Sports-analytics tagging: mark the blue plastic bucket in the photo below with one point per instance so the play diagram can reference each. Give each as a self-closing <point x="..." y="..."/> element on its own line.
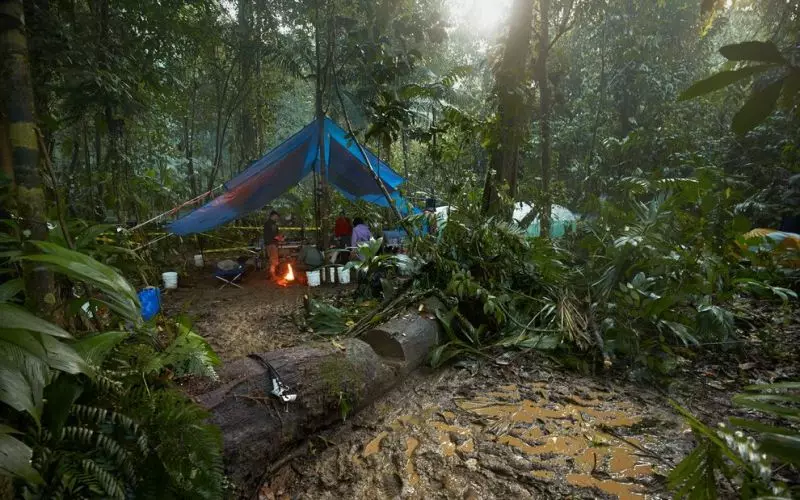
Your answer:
<point x="150" y="298"/>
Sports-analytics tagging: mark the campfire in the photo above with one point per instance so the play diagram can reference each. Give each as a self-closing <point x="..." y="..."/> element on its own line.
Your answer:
<point x="288" y="277"/>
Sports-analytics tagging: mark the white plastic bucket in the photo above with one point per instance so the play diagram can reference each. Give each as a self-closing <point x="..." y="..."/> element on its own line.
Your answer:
<point x="344" y="275"/>
<point x="198" y="260"/>
<point x="170" y="280"/>
<point x="331" y="275"/>
<point x="313" y="278"/>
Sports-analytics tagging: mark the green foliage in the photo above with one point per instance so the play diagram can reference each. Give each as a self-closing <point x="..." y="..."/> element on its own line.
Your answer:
<point x="764" y="99"/>
<point x="86" y="417"/>
<point x="185" y="352"/>
<point x="118" y="294"/>
<point x="729" y="452"/>
<point x="326" y="319"/>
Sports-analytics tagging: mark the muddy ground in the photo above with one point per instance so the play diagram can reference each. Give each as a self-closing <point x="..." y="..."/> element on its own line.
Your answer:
<point x="488" y="431"/>
<point x="258" y="317"/>
<point x="519" y="428"/>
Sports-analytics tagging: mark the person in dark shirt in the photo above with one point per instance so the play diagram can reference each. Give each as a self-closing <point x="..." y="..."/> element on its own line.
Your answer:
<point x="272" y="237"/>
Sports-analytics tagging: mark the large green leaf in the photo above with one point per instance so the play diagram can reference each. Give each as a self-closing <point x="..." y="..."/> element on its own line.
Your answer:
<point x="62" y="357"/>
<point x="783" y="447"/>
<point x="23" y="339"/>
<point x="17" y="318"/>
<point x="757" y="108"/>
<point x="95" y="348"/>
<point x="753" y="51"/>
<point x="15" y="457"/>
<point x="120" y="295"/>
<point x="16" y="392"/>
<point x="60" y="397"/>
<point x="25" y="378"/>
<point x="720" y="80"/>
<point x="10" y="289"/>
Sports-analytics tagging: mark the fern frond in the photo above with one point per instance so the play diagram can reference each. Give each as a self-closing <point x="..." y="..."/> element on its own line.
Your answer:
<point x="100" y="416"/>
<point x="111" y="486"/>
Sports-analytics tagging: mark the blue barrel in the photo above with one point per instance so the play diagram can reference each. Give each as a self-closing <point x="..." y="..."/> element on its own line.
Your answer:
<point x="150" y="298"/>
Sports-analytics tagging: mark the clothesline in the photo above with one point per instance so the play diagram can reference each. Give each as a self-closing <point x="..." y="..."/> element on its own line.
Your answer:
<point x="174" y="210"/>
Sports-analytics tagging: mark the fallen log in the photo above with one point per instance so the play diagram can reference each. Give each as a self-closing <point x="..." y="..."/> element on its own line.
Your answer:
<point x="330" y="380"/>
<point x="408" y="338"/>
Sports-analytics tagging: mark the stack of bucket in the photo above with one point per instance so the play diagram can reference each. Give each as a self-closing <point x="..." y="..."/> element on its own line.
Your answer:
<point x="330" y="275"/>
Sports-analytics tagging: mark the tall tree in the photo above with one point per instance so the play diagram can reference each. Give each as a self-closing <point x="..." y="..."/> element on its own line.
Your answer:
<point x="564" y="24"/>
<point x="248" y="57"/>
<point x="29" y="190"/>
<point x="545" y="137"/>
<point x="512" y="111"/>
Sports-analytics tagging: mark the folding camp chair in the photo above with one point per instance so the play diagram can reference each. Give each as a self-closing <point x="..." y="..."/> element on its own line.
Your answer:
<point x="229" y="272"/>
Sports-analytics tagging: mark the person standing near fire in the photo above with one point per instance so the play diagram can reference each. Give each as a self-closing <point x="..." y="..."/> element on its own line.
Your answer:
<point x="342" y="230"/>
<point x="272" y="236"/>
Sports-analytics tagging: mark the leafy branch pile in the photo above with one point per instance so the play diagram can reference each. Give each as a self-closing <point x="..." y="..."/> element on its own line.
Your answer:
<point x="649" y="276"/>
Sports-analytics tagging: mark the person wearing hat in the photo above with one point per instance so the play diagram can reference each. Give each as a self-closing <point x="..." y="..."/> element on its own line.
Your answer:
<point x="272" y="237"/>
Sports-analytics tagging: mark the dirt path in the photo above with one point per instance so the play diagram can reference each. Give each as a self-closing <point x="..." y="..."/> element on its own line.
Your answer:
<point x="258" y="317"/>
<point x="519" y="431"/>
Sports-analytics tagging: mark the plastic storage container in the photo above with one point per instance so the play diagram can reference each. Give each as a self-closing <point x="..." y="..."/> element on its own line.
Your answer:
<point x="344" y="275"/>
<point x="313" y="278"/>
<point x="170" y="280"/>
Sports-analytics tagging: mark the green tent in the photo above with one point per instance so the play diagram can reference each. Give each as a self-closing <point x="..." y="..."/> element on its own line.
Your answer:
<point x="561" y="220"/>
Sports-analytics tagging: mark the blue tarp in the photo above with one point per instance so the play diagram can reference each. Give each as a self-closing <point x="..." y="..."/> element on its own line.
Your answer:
<point x="285" y="166"/>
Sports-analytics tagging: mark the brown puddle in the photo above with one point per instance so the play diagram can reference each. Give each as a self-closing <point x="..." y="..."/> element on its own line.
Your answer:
<point x="623" y="491"/>
<point x="467" y="446"/>
<point x="411" y="446"/>
<point x="544" y="474"/>
<point x="374" y="446"/>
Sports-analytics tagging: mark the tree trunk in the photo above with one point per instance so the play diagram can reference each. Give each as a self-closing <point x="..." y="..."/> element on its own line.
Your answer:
<point x="6" y="159"/>
<point x="404" y="142"/>
<point x="248" y="57"/>
<point x="39" y="19"/>
<point x="601" y="98"/>
<point x="188" y="139"/>
<point x="544" y="109"/>
<point x="387" y="149"/>
<point x="628" y="101"/>
<point x="28" y="189"/>
<point x="87" y="163"/>
<point x="72" y="174"/>
<point x="434" y="172"/>
<point x="100" y="209"/>
<point x="511" y="110"/>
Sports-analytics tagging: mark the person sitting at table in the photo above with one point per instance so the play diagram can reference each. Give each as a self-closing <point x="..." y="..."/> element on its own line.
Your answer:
<point x="361" y="234"/>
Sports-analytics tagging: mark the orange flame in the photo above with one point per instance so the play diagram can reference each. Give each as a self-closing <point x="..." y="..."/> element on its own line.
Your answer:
<point x="289" y="274"/>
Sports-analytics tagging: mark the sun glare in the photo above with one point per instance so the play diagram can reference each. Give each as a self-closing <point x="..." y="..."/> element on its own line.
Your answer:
<point x="484" y="16"/>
